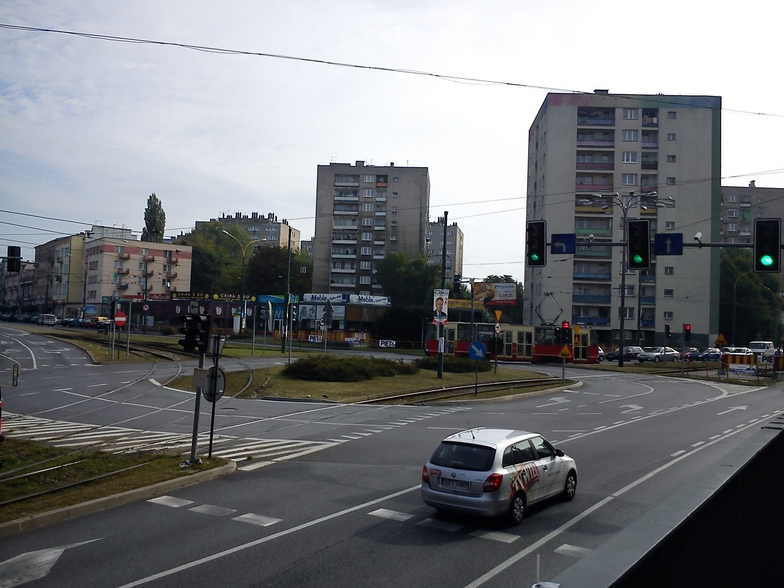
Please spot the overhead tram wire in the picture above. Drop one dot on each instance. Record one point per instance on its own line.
(445, 77)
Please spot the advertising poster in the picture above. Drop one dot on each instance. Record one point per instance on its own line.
(499, 294)
(440, 306)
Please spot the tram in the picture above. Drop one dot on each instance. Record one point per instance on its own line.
(518, 342)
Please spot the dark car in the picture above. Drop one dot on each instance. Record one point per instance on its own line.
(630, 352)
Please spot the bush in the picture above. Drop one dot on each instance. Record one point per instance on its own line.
(334, 368)
(455, 365)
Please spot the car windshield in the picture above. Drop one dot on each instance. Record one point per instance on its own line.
(463, 456)
(656, 350)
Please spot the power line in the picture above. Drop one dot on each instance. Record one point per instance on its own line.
(446, 77)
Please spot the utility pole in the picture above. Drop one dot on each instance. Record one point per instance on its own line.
(286, 309)
(441, 330)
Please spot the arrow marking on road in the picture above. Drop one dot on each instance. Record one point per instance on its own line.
(732, 408)
(32, 565)
(631, 407)
(554, 401)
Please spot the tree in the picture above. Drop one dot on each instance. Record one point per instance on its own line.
(154, 220)
(205, 271)
(750, 302)
(265, 271)
(408, 281)
(216, 264)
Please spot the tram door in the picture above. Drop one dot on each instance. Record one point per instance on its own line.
(450, 340)
(581, 341)
(525, 344)
(506, 337)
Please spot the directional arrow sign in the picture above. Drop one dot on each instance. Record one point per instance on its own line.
(668, 243)
(563, 243)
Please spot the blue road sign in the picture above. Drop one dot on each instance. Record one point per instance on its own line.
(477, 350)
(563, 243)
(668, 244)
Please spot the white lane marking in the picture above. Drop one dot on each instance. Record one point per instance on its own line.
(576, 519)
(677, 453)
(572, 550)
(238, 548)
(391, 514)
(172, 501)
(495, 536)
(256, 519)
(255, 465)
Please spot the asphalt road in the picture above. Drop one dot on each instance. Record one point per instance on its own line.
(344, 509)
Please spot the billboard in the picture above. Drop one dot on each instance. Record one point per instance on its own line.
(440, 306)
(499, 294)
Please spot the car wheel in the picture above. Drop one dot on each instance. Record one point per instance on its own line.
(570, 487)
(517, 509)
(656, 359)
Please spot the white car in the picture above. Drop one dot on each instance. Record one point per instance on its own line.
(658, 354)
(496, 472)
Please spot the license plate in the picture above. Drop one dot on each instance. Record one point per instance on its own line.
(455, 484)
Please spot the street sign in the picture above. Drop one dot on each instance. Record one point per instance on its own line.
(120, 318)
(146, 307)
(220, 385)
(668, 243)
(477, 350)
(566, 353)
(498, 328)
(563, 243)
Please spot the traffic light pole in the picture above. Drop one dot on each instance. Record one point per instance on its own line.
(195, 437)
(441, 330)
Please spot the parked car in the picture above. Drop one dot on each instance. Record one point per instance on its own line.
(690, 353)
(658, 354)
(737, 350)
(496, 472)
(601, 355)
(760, 348)
(629, 352)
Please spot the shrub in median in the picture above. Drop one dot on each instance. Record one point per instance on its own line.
(335, 368)
(456, 365)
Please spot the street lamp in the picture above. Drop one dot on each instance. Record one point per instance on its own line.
(626, 202)
(244, 249)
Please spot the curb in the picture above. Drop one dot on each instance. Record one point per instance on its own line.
(76, 510)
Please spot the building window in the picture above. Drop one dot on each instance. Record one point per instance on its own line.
(669, 225)
(368, 193)
(394, 209)
(367, 222)
(671, 159)
(395, 179)
(732, 228)
(629, 179)
(628, 312)
(364, 279)
(366, 251)
(733, 213)
(667, 315)
(630, 113)
(671, 136)
(732, 198)
(394, 194)
(668, 293)
(671, 181)
(629, 291)
(365, 265)
(629, 157)
(669, 271)
(671, 114)
(368, 207)
(370, 179)
(630, 135)
(367, 236)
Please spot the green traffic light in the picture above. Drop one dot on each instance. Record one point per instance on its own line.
(534, 257)
(637, 258)
(766, 260)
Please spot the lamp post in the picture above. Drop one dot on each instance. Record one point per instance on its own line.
(84, 283)
(625, 203)
(244, 249)
(734, 304)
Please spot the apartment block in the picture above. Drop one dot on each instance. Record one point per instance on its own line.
(626, 148)
(267, 230)
(437, 233)
(364, 213)
(740, 205)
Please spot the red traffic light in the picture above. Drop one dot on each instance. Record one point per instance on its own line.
(565, 325)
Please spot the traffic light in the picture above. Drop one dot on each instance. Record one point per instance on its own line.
(767, 245)
(536, 243)
(667, 331)
(203, 332)
(14, 259)
(557, 336)
(639, 244)
(190, 330)
(686, 332)
(566, 333)
(294, 308)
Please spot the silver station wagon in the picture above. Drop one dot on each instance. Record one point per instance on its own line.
(496, 472)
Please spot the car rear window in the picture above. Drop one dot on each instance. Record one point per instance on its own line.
(463, 456)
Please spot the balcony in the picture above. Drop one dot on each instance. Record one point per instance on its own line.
(346, 198)
(121, 286)
(122, 271)
(591, 299)
(381, 198)
(593, 188)
(595, 231)
(598, 143)
(647, 322)
(345, 213)
(342, 285)
(379, 243)
(592, 276)
(148, 273)
(353, 227)
(648, 279)
(594, 120)
(650, 144)
(381, 213)
(124, 256)
(650, 165)
(149, 258)
(602, 165)
(346, 255)
(344, 241)
(340, 270)
(378, 256)
(591, 320)
(171, 275)
(593, 252)
(648, 300)
(172, 260)
(380, 228)
(58, 278)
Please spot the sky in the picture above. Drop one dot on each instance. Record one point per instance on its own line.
(89, 128)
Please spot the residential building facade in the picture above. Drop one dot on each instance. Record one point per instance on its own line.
(626, 147)
(267, 231)
(454, 247)
(740, 205)
(364, 213)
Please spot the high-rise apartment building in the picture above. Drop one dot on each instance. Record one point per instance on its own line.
(364, 213)
(454, 247)
(741, 205)
(266, 231)
(625, 147)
